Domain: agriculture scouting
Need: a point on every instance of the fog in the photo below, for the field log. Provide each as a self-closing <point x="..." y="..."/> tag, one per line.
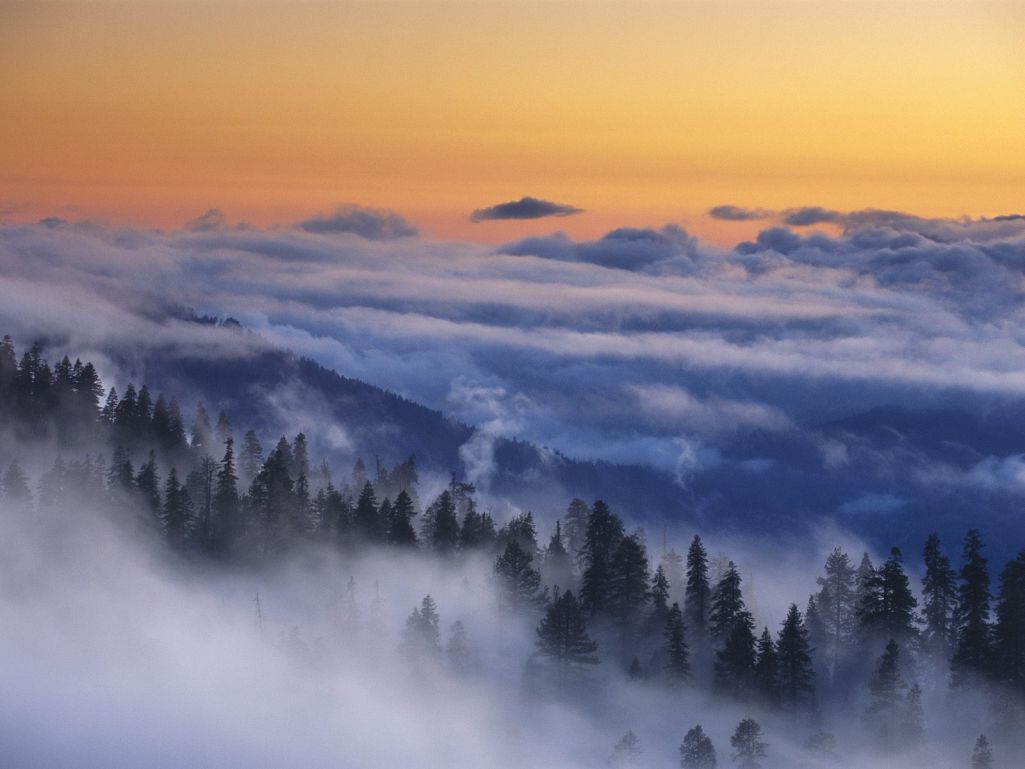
<point x="118" y="653"/>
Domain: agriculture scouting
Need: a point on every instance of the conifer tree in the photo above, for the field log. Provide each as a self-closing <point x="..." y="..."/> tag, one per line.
<point x="604" y="533"/>
<point x="562" y="640"/>
<point x="575" y="528"/>
<point x="201" y="432"/>
<point x="939" y="600"/>
<point x="556" y="564"/>
<point x="445" y="530"/>
<point x="1009" y="631"/>
<point x="677" y="653"/>
<point x="887" y="609"/>
<point x="459" y="651"/>
<point x="735" y="661"/>
<point x="177" y="510"/>
<point x="698" y="592"/>
<point x="250" y="457"/>
<point x="912" y="722"/>
<point x="400" y="527"/>
<point x="747" y="744"/>
<point x="982" y="755"/>
<point x="628" y="584"/>
<point x="697" y="751"/>
<point x="627" y="752"/>
<point x="972" y="655"/>
<point x="225" y="523"/>
<point x="148" y="484"/>
<point x="796" y="673"/>
<point x="659" y="595"/>
<point x="366" y="513"/>
<point x="887" y="690"/>
<point x="766" y="674"/>
<point x="836" y="605"/>
<point x="519" y="580"/>
<point x="727" y="605"/>
<point x="14" y="484"/>
<point x="421" y="637"/>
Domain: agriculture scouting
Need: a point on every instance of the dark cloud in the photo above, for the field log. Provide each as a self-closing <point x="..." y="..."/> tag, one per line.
<point x="730" y="213"/>
<point x="524" y="208"/>
<point x="804" y="217"/>
<point x="369" y="223"/>
<point x="210" y="221"/>
<point x="626" y="248"/>
<point x="52" y="222"/>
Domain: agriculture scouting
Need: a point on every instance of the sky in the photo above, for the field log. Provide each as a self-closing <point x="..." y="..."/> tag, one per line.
<point x="148" y="114"/>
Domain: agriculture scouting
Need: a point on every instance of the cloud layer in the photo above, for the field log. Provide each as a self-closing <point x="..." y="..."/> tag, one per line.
<point x="524" y="208"/>
<point x="644" y="345"/>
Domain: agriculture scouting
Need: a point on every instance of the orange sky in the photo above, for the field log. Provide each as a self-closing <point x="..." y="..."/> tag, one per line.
<point x="639" y="112"/>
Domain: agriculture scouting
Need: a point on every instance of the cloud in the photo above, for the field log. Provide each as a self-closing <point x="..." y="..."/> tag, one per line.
<point x="804" y="217"/>
<point x="210" y="221"/>
<point x="626" y="248"/>
<point x="524" y="208"/>
<point x="369" y="223"/>
<point x="731" y="213"/>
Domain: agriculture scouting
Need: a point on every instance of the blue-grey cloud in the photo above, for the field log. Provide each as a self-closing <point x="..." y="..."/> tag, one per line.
<point x="731" y="213"/>
<point x="643" y="344"/>
<point x="524" y="208"/>
<point x="809" y="215"/>
<point x="369" y="223"/>
<point x="626" y="248"/>
<point x="209" y="221"/>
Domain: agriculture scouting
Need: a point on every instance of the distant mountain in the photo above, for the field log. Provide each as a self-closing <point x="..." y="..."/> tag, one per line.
<point x="276" y="392"/>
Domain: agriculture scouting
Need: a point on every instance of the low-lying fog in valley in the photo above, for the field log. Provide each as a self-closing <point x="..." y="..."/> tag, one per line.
<point x="119" y="653"/>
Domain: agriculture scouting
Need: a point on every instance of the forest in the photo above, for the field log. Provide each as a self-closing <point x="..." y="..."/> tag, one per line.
<point x="870" y="664"/>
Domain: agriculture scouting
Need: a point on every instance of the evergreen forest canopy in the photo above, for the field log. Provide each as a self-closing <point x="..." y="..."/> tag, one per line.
<point x="872" y="661"/>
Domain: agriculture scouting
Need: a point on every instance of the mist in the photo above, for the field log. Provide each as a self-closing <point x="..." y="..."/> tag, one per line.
<point x="118" y="652"/>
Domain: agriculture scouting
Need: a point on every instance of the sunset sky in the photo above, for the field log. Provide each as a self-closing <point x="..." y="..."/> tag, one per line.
<point x="640" y="113"/>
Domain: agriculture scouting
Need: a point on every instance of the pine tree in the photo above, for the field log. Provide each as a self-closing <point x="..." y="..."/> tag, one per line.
<point x="575" y="528"/>
<point x="366" y="514"/>
<point x="972" y="656"/>
<point x="518" y="579"/>
<point x="177" y="512"/>
<point x="459" y="651"/>
<point x="202" y="439"/>
<point x="557" y="565"/>
<point x="224" y="525"/>
<point x="735" y="661"/>
<point x="912" y="722"/>
<point x="421" y="637"/>
<point x="400" y="527"/>
<point x="604" y="533"/>
<point x="698" y="591"/>
<point x="766" y="675"/>
<point x="677" y="653"/>
<point x="939" y="599"/>
<point x="747" y="742"/>
<point x="727" y="605"/>
<point x="628" y="584"/>
<point x="796" y="673"/>
<point x="697" y="751"/>
<point x="627" y="752"/>
<point x="836" y="605"/>
<point x="887" y="689"/>
<point x="1009" y="631"/>
<point x="445" y="531"/>
<point x="14" y="485"/>
<point x="982" y="755"/>
<point x="887" y="609"/>
<point x="562" y="640"/>
<point x="148" y="484"/>
<point x="659" y="596"/>
<point x="250" y="458"/>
